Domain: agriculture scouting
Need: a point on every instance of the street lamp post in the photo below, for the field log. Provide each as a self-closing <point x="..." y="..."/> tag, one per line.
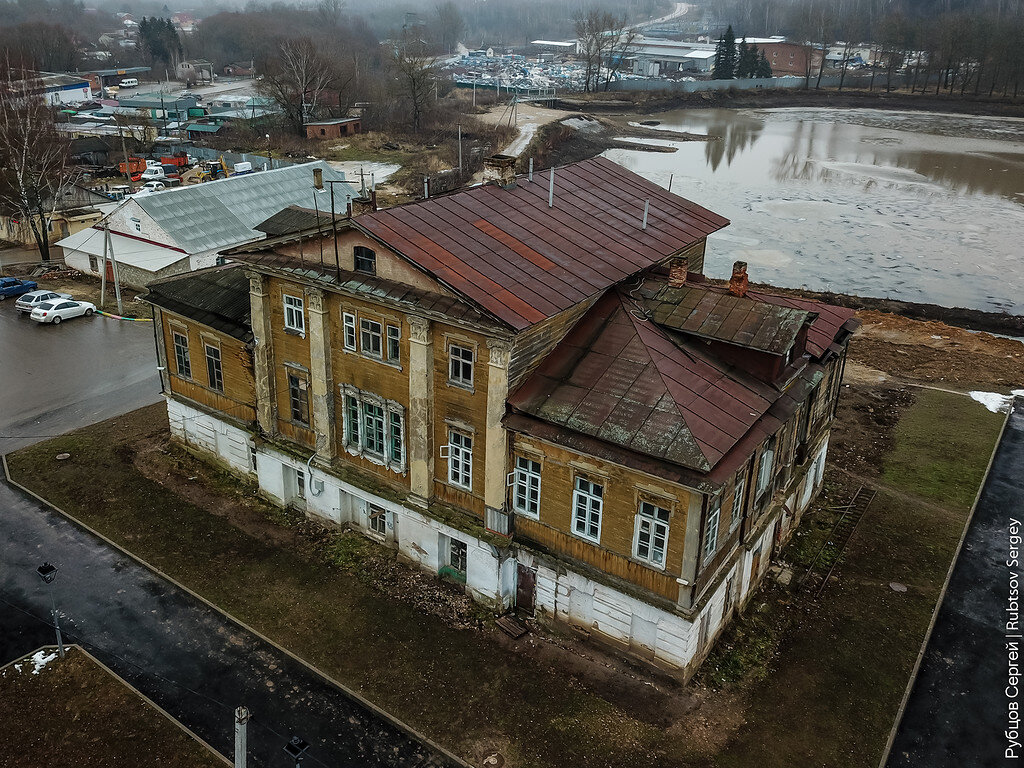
<point x="48" y="573"/>
<point x="296" y="749"/>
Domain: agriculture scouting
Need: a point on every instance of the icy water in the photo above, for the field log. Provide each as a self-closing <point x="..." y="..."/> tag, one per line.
<point x="913" y="206"/>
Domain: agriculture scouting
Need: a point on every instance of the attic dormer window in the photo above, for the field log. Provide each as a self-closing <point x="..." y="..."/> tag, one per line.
<point x="365" y="260"/>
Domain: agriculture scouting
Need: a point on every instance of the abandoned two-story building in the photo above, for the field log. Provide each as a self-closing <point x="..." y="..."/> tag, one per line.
<point x="528" y="387"/>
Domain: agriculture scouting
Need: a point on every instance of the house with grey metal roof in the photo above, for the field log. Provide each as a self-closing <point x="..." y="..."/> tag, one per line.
<point x="184" y="229"/>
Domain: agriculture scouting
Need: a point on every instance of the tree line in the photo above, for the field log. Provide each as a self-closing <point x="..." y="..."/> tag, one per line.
<point x="738" y="61"/>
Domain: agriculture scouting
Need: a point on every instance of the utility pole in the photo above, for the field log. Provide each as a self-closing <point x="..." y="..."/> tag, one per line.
<point x="113" y="261"/>
<point x="460" y="148"/>
<point x="241" y="725"/>
<point x="48" y="573"/>
<point x="103" y="268"/>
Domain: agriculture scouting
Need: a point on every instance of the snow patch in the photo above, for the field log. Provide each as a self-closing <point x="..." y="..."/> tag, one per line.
<point x="583" y="124"/>
<point x="40" y="659"/>
<point x="996" y="402"/>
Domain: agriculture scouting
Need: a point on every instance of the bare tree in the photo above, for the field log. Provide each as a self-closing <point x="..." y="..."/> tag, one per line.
<point x="33" y="156"/>
<point x="416" y="77"/>
<point x="297" y="79"/>
<point x="620" y="39"/>
<point x="450" y="26"/>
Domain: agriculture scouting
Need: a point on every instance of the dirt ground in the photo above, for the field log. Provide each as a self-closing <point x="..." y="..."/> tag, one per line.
<point x="72" y="712"/>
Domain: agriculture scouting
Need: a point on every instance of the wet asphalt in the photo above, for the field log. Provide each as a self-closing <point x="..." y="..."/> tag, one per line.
<point x="959" y="707"/>
<point x="190" y="659"/>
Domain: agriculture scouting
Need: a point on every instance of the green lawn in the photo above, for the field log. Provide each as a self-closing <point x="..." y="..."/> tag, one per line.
<point x="798" y="682"/>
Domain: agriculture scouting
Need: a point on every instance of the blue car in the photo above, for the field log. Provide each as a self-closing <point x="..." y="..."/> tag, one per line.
<point x="12" y="286"/>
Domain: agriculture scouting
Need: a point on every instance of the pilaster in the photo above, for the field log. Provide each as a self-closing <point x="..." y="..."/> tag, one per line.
<point x="161" y="351"/>
<point x="495" y="440"/>
<point x="691" y="550"/>
<point x="420" y="421"/>
<point x="320" y="373"/>
<point x="263" y="352"/>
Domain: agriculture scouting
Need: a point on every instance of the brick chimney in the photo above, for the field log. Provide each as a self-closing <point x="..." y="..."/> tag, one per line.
<point x="739" y="283"/>
<point x="361" y="205"/>
<point x="677" y="272"/>
<point x="500" y="169"/>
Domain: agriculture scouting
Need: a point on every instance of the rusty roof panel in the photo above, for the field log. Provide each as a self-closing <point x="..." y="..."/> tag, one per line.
<point x="522" y="261"/>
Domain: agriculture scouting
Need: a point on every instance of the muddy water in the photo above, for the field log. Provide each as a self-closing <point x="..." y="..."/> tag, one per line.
<point x="913" y="206"/>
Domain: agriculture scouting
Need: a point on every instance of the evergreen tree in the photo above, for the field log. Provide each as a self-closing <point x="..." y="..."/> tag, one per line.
<point x="764" y="69"/>
<point x="725" y="56"/>
<point x="742" y="60"/>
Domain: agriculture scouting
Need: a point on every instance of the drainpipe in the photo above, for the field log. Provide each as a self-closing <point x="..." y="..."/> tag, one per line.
<point x="309" y="477"/>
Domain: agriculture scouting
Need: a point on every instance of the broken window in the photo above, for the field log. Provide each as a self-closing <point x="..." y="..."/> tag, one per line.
<point x="298" y="398"/>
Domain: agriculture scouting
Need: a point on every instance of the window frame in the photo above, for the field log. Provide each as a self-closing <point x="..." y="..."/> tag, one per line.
<point x="711" y="528"/>
<point x="461" y="381"/>
<point x="298" y="394"/>
<point x="590" y="500"/>
<point x="522" y="486"/>
<point x="218" y="384"/>
<point x="764" y="469"/>
<point x="181" y="354"/>
<point x="374" y="513"/>
<point x="366" y="332"/>
<point x="293" y="310"/>
<point x="460" y="458"/>
<point x="458" y="562"/>
<point x="359" y="253"/>
<point x="356" y="428"/>
<point x="653" y="519"/>
<point x="393" y="343"/>
<point x="738" y="502"/>
<point x="350" y="333"/>
<point x="375" y="429"/>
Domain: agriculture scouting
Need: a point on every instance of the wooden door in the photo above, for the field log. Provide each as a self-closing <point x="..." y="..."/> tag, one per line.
<point x="755" y="568"/>
<point x="526" y="589"/>
<point x="110" y="271"/>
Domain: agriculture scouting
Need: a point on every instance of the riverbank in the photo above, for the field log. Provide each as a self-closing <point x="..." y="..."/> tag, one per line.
<point x="651" y="102"/>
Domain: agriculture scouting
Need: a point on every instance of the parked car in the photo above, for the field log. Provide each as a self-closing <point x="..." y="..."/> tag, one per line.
<point x="129" y="82"/>
<point x="12" y="286"/>
<point x="32" y="299"/>
<point x="154" y="186"/>
<point x="57" y="311"/>
<point x="152" y="174"/>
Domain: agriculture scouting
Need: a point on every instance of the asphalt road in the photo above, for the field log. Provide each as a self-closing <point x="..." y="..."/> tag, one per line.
<point x="57" y="378"/>
<point x="959" y="709"/>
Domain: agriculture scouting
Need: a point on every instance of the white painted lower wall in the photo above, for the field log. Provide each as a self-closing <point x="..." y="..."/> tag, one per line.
<point x="491" y="576"/>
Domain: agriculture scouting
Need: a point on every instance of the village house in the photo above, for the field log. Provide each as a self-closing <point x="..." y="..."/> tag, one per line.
<point x="334" y="128"/>
<point x="75" y="209"/>
<point x="178" y="230"/>
<point x="528" y="387"/>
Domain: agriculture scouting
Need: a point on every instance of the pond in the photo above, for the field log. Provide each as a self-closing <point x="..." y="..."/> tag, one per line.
<point x="915" y="206"/>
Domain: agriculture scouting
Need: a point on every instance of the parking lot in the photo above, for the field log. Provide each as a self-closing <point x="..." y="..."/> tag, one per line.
<point x="57" y="378"/>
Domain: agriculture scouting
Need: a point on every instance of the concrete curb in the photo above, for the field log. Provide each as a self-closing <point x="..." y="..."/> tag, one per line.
<point x="416" y="735"/>
<point x="135" y="691"/>
<point x="942" y="595"/>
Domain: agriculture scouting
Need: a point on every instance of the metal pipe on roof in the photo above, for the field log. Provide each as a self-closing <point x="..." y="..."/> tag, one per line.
<point x="670" y="181"/>
<point x="647" y="207"/>
<point x="426" y="188"/>
<point x="551" y="190"/>
<point x="531" y="169"/>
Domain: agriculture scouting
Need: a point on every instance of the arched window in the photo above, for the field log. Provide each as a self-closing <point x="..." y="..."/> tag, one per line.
<point x="366" y="260"/>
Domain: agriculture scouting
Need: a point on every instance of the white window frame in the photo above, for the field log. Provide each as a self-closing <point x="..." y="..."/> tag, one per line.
<point x="181" y="354"/>
<point x="350" y="335"/>
<point x="654" y="521"/>
<point x="374" y="514"/>
<point x="526" y="487"/>
<point x="587" y="507"/>
<point x="711" y="528"/>
<point x="739" y="492"/>
<point x="393" y="338"/>
<point x="366" y="332"/>
<point x="355" y="428"/>
<point x="301" y="385"/>
<point x="460" y="458"/>
<point x="764" y="468"/>
<point x="294" y="313"/>
<point x="461" y="380"/>
<point x="374" y="428"/>
<point x="214" y="363"/>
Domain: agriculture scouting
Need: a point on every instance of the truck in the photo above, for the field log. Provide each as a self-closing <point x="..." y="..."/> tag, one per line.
<point x="12" y="286"/>
<point x="178" y="159"/>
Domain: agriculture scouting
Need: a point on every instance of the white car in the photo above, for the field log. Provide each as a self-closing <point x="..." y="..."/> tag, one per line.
<point x="57" y="311"/>
<point x="29" y="301"/>
<point x="153" y="174"/>
<point x="154" y="186"/>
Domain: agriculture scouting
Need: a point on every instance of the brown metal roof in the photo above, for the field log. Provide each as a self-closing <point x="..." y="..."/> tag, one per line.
<point x="217" y="297"/>
<point x="718" y="315"/>
<point x="522" y="261"/>
<point x="826" y="326"/>
<point x="291" y="220"/>
<point x="624" y="380"/>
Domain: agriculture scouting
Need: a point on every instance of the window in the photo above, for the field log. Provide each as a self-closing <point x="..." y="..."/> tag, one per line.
<point x="457" y="555"/>
<point x="298" y="396"/>
<point x="395" y="437"/>
<point x="293" y="317"/>
<point x="300" y="484"/>
<point x="378" y="519"/>
<point x="365" y="260"/>
<point x="764" y="468"/>
<point x="214" y="371"/>
<point x="526" y="487"/>
<point x="460" y="365"/>
<point x="137" y="224"/>
<point x="394" y="344"/>
<point x="587" y="500"/>
<point x="349" y="321"/>
<point x="252" y="458"/>
<point x="94" y="264"/>
<point x="460" y="458"/>
<point x="370" y="337"/>
<point x="737" y="503"/>
<point x="652" y="533"/>
<point x="181" y="355"/>
<point x="374" y="428"/>
<point x="711" y="529"/>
